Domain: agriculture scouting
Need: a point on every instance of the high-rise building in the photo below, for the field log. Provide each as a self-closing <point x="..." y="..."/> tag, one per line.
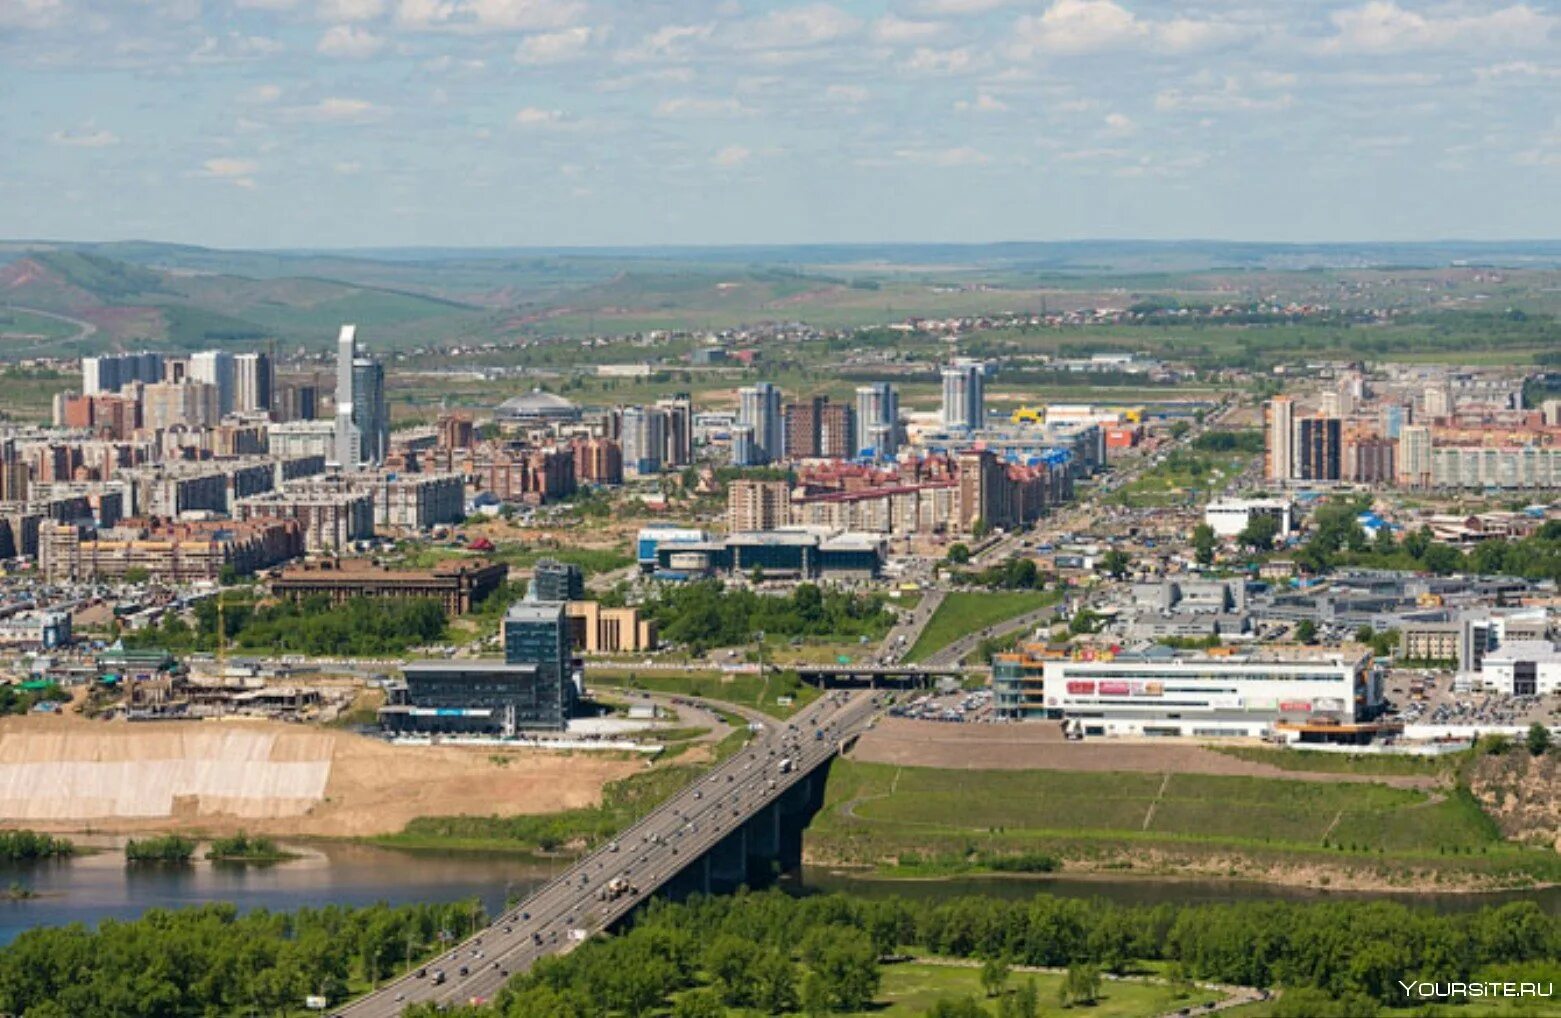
<point x="877" y="419"/>
<point x="598" y="461"/>
<point x="167" y="405"/>
<point x="298" y="401"/>
<point x="745" y="450"/>
<point x="254" y="383"/>
<point x="1438" y="401"/>
<point x="216" y="368"/>
<point x="1368" y="459"/>
<point x="757" y="505"/>
<point x="1394" y="417"/>
<point x="679" y="413"/>
<point x="552" y="580"/>
<point x="536" y="633"/>
<point x="362" y="415"/>
<point x="1281" y="438"/>
<point x="1320" y="449"/>
<point x="819" y="428"/>
<point x="964" y="394"/>
<point x="1414" y="460"/>
<point x="111" y="372"/>
<point x="644" y="438"/>
<point x="759" y="407"/>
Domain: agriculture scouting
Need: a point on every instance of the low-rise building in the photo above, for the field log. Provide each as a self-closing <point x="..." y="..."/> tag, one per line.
<point x="1523" y="668"/>
<point x="456" y="584"/>
<point x="597" y="630"/>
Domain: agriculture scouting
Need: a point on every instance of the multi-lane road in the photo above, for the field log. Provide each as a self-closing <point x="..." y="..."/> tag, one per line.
<point x="603" y="886"/>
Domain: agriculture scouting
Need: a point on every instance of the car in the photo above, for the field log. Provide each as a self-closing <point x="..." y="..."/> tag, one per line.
<point x="420" y="973"/>
<point x="463" y="971"/>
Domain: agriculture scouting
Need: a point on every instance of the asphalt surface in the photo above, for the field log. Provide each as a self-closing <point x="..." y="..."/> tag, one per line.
<point x="579" y="903"/>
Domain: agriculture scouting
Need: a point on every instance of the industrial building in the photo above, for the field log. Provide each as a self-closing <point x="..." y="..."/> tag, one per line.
<point x="457" y="584"/>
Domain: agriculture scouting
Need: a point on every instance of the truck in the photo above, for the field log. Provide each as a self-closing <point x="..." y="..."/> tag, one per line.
<point x="785" y="765"/>
<point x="617" y="887"/>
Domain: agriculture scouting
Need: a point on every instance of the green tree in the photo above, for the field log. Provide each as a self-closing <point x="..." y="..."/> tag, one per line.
<point x="1306" y="631"/>
<point x="994" y="975"/>
<point x="774" y="978"/>
<point x="1259" y="533"/>
<point x="700" y="1003"/>
<point x="957" y="1007"/>
<point x="959" y="553"/>
<point x="1204" y="544"/>
<point x="1081" y="986"/>
<point x="730" y="962"/>
<point x="844" y="958"/>
<point x="1116" y="563"/>
<point x="1538" y="739"/>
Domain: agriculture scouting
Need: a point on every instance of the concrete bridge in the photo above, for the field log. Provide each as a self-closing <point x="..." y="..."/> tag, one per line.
<point x="738" y="824"/>
<point x="865" y="676"/>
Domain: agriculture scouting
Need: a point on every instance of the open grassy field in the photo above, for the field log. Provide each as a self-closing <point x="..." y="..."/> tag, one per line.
<point x="746" y="689"/>
<point x="911" y="988"/>
<point x="965" y="612"/>
<point x="1343" y="763"/>
<point x="879" y="812"/>
<point x="1183" y="477"/>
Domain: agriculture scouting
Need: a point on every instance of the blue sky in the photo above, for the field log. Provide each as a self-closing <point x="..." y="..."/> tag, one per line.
<point x="344" y="123"/>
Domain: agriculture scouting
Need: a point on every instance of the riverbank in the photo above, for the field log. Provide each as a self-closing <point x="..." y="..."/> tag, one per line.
<point x="68" y="774"/>
<point x="1360" y="835"/>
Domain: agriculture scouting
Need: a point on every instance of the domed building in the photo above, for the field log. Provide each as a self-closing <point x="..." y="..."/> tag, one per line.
<point x="537" y="408"/>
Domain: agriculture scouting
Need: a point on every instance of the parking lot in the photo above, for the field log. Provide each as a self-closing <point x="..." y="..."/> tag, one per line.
<point x="953" y="708"/>
<point x="1440" y="704"/>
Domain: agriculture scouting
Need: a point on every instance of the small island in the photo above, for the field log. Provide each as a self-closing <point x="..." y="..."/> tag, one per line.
<point x="166" y="848"/>
<point x="242" y="848"/>
<point x="26" y="846"/>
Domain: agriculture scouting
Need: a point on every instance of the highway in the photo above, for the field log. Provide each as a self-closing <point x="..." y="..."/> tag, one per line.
<point x="590" y="896"/>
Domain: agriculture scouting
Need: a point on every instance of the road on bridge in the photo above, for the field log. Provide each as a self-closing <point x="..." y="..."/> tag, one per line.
<point x="589" y="897"/>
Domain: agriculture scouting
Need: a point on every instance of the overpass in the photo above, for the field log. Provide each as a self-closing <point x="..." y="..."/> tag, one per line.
<point x="868" y="676"/>
<point x="727" y="829"/>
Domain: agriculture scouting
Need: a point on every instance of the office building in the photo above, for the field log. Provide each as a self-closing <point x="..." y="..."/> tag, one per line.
<point x="757" y="505"/>
<point x="457" y="584"/>
<point x="877" y="420"/>
<point x="745" y="449"/>
<point x="1280" y="426"/>
<point x="362" y="415"/>
<point x="215" y="368"/>
<point x="552" y="580"/>
<point x="254" y="383"/>
<point x="964" y="395"/>
<point x="644" y="431"/>
<point x="1523" y="668"/>
<point x="597" y="630"/>
<point x="1319" y="449"/>
<point x="678" y="412"/>
<point x="759" y="408"/>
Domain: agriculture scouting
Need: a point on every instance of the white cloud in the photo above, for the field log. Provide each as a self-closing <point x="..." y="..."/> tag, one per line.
<point x="337" y="109"/>
<point x="424" y="13"/>
<point x="350" y="10"/>
<point x="1120" y="123"/>
<point x="983" y="103"/>
<point x="798" y="27"/>
<point x="86" y="136"/>
<point x="926" y="60"/>
<point x="1514" y="69"/>
<point x="1080" y="26"/>
<point x="233" y="48"/>
<point x="349" y="41"/>
<point x="263" y="94"/>
<point x="1382" y="26"/>
<point x="1184" y="35"/>
<point x="553" y="47"/>
<point x="238" y="172"/>
<point x="890" y="30"/>
<point x="959" y="6"/>
<point x="963" y="155"/>
<point x="669" y="42"/>
<point x="30" y="13"/>
<point x="524" y="14"/>
<point x="1230" y="95"/>
<point x="267" y="5"/>
<point x="850" y="94"/>
<point x="690" y="106"/>
<point x="536" y="116"/>
<point x="732" y="156"/>
<point x="347" y="169"/>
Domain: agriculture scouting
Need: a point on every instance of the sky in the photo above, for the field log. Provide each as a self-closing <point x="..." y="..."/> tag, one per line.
<point x="366" y="123"/>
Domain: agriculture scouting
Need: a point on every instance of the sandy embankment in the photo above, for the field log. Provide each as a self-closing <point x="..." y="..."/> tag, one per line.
<point x="66" y="774"/>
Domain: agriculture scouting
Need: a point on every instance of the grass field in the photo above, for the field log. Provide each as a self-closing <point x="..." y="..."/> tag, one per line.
<point x="743" y="688"/>
<point x="966" y="612"/>
<point x="911" y="988"/>
<point x="1343" y="763"/>
<point x="878" y="812"/>
<point x="1183" y="477"/>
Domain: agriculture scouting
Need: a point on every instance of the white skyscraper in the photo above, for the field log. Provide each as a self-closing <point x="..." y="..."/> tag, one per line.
<point x="759" y="407"/>
<point x="215" y="368"/>
<point x="964" y="394"/>
<point x="362" y="416"/>
<point x="877" y="418"/>
<point x="253" y="382"/>
<point x="644" y="438"/>
<point x="1281" y="439"/>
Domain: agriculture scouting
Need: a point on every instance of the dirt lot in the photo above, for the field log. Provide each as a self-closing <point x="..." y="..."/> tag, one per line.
<point x="68" y="774"/>
<point x="1040" y="746"/>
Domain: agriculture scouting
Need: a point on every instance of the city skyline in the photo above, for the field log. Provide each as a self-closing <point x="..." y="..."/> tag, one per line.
<point x="352" y="123"/>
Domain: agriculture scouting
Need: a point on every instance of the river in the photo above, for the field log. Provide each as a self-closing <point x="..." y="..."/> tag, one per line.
<point x="92" y="887"/>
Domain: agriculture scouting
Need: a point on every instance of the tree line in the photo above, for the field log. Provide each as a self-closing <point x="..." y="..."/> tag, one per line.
<point x="771" y="953"/>
<point x="708" y="613"/>
<point x="309" y="625"/>
<point x="210" y="960"/>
